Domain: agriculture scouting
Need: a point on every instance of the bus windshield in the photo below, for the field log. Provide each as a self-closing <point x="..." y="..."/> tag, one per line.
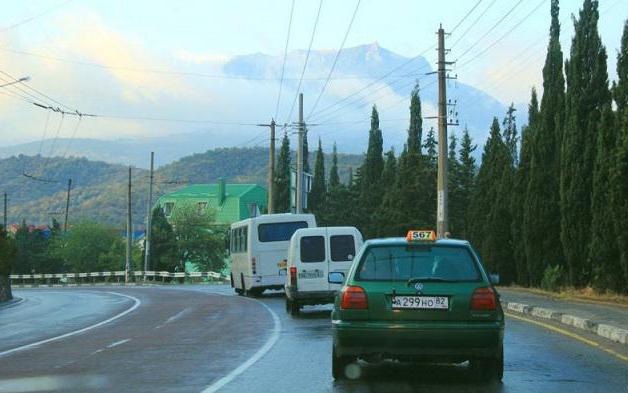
<point x="278" y="232"/>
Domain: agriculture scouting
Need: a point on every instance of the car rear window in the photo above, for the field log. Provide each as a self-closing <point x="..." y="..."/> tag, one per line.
<point x="312" y="249"/>
<point x="278" y="232"/>
<point x="393" y="263"/>
<point x="342" y="247"/>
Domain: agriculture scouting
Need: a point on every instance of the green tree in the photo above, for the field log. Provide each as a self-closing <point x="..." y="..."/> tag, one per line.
<point x="390" y="170"/>
<point x="8" y="252"/>
<point x="334" y="178"/>
<point x="454" y="182"/>
<point x="541" y="226"/>
<point x="586" y="96"/>
<point x="467" y="177"/>
<point x="163" y="247"/>
<point x="306" y="153"/>
<point x="282" y="177"/>
<point x="318" y="194"/>
<point x="619" y="171"/>
<point x="371" y="192"/>
<point x="199" y="240"/>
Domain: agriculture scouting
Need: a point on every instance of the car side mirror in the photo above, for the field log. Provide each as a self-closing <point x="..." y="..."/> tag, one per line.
<point x="336" y="278"/>
<point x="494" y="278"/>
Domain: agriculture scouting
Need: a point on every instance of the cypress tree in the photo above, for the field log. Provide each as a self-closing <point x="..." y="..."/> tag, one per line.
<point x="318" y="193"/>
<point x="541" y="227"/>
<point x="511" y="139"/>
<point x="467" y="178"/>
<point x="334" y="178"/>
<point x="415" y="131"/>
<point x="454" y="182"/>
<point x="390" y="170"/>
<point x="163" y="255"/>
<point x="431" y="146"/>
<point x="586" y="96"/>
<point x="282" y="177"/>
<point x="371" y="194"/>
<point x="306" y="153"/>
<point x="619" y="170"/>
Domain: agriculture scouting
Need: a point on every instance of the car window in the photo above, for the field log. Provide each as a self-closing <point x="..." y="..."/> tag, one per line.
<point x="341" y="247"/>
<point x="448" y="263"/>
<point x="312" y="249"/>
<point x="280" y="231"/>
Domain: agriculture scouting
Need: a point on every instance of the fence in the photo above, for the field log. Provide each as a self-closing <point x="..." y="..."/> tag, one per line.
<point x="116" y="277"/>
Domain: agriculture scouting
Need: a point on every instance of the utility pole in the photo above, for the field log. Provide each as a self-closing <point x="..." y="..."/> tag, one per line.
<point x="301" y="125"/>
<point x="442" y="214"/>
<point x="67" y="206"/>
<point x="149" y="215"/>
<point x="129" y="233"/>
<point x="271" y="164"/>
<point x="5" y="212"/>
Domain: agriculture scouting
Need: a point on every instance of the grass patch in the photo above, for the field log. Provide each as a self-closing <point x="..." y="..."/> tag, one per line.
<point x="587" y="294"/>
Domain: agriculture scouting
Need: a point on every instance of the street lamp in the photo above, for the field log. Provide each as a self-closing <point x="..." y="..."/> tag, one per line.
<point x="22" y="79"/>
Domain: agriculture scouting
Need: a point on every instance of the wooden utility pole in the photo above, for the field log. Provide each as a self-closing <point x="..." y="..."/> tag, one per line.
<point x="129" y="233"/>
<point x="301" y="127"/>
<point x="271" y="164"/>
<point x="149" y="214"/>
<point x="441" y="208"/>
<point x="67" y="206"/>
<point x="4" y="217"/>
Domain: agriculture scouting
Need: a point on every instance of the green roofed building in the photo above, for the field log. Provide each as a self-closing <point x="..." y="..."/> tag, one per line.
<point x="231" y="202"/>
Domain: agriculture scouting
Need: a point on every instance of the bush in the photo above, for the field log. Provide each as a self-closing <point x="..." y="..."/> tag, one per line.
<point x="553" y="278"/>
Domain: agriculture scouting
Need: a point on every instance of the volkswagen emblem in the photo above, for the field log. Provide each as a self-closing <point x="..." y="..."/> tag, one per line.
<point x="418" y="286"/>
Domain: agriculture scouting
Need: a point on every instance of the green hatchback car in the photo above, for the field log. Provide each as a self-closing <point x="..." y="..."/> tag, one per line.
<point x="418" y="299"/>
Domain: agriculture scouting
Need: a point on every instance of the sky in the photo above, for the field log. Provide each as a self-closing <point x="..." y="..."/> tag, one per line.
<point x="200" y="36"/>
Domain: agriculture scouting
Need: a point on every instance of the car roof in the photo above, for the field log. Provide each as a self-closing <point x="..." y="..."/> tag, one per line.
<point x="402" y="241"/>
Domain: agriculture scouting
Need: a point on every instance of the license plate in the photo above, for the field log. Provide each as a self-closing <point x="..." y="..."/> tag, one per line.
<point x="420" y="302"/>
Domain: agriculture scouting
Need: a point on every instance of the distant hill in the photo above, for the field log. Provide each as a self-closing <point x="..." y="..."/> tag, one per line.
<point x="99" y="189"/>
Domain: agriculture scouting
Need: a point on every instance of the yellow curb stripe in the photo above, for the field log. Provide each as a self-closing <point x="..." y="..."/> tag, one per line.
<point x="570" y="334"/>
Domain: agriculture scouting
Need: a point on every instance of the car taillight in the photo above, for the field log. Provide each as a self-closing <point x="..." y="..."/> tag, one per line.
<point x="293" y="276"/>
<point x="253" y="266"/>
<point x="483" y="299"/>
<point x="353" y="298"/>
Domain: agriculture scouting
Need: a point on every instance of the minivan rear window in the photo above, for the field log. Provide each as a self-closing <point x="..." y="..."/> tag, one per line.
<point x="342" y="247"/>
<point x="312" y="249"/>
<point x="438" y="263"/>
<point x="279" y="231"/>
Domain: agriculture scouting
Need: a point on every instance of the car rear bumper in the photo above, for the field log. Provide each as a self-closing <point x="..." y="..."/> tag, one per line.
<point x="310" y="297"/>
<point x="418" y="340"/>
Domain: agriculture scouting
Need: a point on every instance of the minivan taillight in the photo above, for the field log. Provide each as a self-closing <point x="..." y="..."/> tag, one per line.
<point x="253" y="265"/>
<point x="293" y="276"/>
<point x="483" y="299"/>
<point x="354" y="298"/>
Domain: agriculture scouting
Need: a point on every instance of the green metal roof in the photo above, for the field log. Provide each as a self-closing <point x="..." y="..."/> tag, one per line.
<point x="235" y="206"/>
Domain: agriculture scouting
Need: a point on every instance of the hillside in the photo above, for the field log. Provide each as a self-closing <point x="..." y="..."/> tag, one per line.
<point x="99" y="189"/>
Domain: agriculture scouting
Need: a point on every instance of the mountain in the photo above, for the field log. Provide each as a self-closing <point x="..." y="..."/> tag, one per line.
<point x="99" y="190"/>
<point x="253" y="100"/>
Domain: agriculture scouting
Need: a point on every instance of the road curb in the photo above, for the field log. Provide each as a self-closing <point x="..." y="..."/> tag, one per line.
<point x="609" y="332"/>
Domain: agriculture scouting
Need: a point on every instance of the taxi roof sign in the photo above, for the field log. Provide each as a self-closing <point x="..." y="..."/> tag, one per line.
<point x="421" y="236"/>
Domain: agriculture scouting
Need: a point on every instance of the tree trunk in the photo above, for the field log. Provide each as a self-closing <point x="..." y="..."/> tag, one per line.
<point x="5" y="289"/>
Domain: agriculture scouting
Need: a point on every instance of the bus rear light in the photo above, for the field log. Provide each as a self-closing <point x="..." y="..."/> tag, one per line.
<point x="293" y="276"/>
<point x="483" y="299"/>
<point x="253" y="266"/>
<point x="354" y="298"/>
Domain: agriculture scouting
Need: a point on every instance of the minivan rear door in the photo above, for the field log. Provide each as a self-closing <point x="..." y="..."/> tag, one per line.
<point x="312" y="262"/>
<point x="343" y="246"/>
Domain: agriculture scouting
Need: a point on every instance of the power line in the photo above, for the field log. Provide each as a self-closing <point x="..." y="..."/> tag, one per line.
<point x="333" y="66"/>
<point x="465" y="17"/>
<point x="285" y="56"/>
<point x="30" y="19"/>
<point x="464" y="35"/>
<point x="307" y="57"/>
<point x="490" y="30"/>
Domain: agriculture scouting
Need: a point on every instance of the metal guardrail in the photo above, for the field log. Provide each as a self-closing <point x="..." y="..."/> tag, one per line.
<point x="109" y="277"/>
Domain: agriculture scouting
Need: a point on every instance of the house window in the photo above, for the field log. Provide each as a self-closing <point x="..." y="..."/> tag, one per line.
<point x="201" y="207"/>
<point x="168" y="207"/>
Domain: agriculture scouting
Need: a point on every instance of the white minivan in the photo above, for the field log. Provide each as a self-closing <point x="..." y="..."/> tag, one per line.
<point x="259" y="250"/>
<point x="313" y="253"/>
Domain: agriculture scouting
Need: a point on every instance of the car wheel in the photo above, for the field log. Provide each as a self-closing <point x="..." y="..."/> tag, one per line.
<point x="339" y="364"/>
<point x="294" y="308"/>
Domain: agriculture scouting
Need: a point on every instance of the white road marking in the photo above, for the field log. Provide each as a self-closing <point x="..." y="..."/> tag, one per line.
<point x="79" y="331"/>
<point x="126" y="340"/>
<point x="214" y="387"/>
<point x="175" y="317"/>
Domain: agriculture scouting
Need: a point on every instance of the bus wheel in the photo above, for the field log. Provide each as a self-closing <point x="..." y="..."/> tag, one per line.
<point x="294" y="308"/>
<point x="288" y="305"/>
<point x="243" y="287"/>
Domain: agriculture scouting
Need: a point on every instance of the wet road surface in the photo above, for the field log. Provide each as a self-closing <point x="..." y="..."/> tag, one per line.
<point x="190" y="338"/>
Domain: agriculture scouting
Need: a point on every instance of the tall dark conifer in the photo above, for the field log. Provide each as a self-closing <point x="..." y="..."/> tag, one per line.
<point x="371" y="194"/>
<point x="586" y="97"/>
<point x="467" y="178"/>
<point x="318" y="193"/>
<point x="282" y="177"/>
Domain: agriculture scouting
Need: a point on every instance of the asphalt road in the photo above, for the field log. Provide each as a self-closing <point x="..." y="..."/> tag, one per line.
<point x="202" y="337"/>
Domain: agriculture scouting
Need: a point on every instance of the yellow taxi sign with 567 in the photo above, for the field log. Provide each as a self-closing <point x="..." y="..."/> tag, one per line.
<point x="421" y="236"/>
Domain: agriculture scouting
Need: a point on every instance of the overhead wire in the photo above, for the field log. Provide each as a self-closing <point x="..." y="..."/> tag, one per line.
<point x="333" y="66"/>
<point x="307" y="57"/>
<point x="32" y="18"/>
<point x="285" y="56"/>
<point x="465" y="17"/>
<point x="472" y="25"/>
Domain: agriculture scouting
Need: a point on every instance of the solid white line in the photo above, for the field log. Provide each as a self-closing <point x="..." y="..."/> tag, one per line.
<point x="214" y="387"/>
<point x="126" y="340"/>
<point x="83" y="330"/>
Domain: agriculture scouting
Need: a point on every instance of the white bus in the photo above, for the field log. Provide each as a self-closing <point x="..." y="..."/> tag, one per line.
<point x="259" y="250"/>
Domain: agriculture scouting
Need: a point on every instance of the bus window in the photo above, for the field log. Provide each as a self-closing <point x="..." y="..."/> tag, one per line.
<point x="245" y="242"/>
<point x="278" y="232"/>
